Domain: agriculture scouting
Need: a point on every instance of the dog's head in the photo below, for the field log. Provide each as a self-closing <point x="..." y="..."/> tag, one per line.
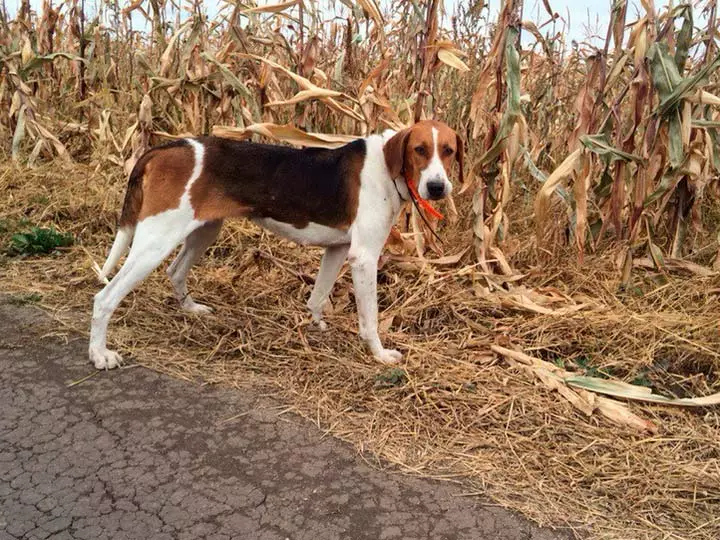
<point x="424" y="153"/>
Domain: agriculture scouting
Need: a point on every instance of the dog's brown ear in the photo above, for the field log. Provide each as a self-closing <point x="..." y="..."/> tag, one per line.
<point x="459" y="155"/>
<point x="394" y="151"/>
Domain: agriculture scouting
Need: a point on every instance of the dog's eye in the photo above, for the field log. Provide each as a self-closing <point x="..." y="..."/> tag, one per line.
<point x="420" y="150"/>
<point x="447" y="151"/>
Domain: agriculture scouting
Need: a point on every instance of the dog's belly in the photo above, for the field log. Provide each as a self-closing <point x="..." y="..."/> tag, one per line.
<point x="311" y="235"/>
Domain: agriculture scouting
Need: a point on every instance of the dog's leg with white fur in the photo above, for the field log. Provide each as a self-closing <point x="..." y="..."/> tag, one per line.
<point x="155" y="238"/>
<point x="364" y="272"/>
<point x="367" y="243"/>
<point x="192" y="251"/>
<point x="330" y="265"/>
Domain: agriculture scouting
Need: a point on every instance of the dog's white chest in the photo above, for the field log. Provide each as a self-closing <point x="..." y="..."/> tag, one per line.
<point x="311" y="235"/>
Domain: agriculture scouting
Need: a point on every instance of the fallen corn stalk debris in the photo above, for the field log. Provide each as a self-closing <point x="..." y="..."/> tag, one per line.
<point x="555" y="378"/>
<point x="637" y="393"/>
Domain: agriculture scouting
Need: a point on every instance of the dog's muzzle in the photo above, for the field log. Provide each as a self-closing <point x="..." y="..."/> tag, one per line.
<point x="436" y="189"/>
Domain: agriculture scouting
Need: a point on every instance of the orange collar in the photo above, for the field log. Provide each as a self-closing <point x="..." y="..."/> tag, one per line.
<point x="419" y="200"/>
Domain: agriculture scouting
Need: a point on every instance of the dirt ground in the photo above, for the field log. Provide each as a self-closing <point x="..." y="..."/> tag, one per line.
<point x="133" y="454"/>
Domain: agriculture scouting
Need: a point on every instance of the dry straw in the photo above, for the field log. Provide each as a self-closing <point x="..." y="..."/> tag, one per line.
<point x="582" y="253"/>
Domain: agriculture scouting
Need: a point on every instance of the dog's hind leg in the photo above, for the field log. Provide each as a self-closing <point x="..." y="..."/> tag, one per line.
<point x="330" y="265"/>
<point x="154" y="240"/>
<point x="195" y="246"/>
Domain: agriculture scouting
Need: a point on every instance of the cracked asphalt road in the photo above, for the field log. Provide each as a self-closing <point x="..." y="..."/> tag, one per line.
<point x="131" y="454"/>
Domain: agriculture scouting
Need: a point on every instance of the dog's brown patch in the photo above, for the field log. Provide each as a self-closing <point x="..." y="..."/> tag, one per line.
<point x="165" y="175"/>
<point x="355" y="164"/>
<point x="210" y="203"/>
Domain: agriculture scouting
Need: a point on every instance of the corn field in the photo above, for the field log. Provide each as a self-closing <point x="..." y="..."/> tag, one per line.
<point x="584" y="240"/>
<point x="616" y="145"/>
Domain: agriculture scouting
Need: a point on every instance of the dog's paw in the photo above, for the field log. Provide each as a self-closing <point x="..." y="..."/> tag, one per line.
<point x="104" y="358"/>
<point x="320" y="325"/>
<point x="389" y="356"/>
<point x="198" y="309"/>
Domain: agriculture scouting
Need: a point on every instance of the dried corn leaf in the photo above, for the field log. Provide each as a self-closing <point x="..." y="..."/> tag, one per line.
<point x="371" y="8"/>
<point x="441" y="261"/>
<point x="166" y="57"/>
<point x="448" y="57"/>
<point x="304" y="95"/>
<point x="50" y="138"/>
<point x="555" y="379"/>
<point x="272" y="8"/>
<point x="285" y="133"/>
<point x="305" y="84"/>
<point x="542" y="200"/>
<point x="19" y="134"/>
<point x="701" y="97"/>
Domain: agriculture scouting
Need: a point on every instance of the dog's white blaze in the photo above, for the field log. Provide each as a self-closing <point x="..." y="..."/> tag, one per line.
<point x="197" y="170"/>
<point x="311" y="235"/>
<point x="434" y="170"/>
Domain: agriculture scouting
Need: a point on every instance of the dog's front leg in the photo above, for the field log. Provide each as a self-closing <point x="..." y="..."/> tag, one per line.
<point x="330" y="265"/>
<point x="364" y="272"/>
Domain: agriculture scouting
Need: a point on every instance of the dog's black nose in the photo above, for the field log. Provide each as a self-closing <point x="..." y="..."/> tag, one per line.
<point x="435" y="189"/>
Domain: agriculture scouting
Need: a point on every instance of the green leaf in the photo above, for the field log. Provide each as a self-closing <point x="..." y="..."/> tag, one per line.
<point x="229" y="76"/>
<point x="38" y="61"/>
<point x="39" y="241"/>
<point x="512" y="108"/>
<point x="599" y="144"/>
<point x="677" y="155"/>
<point x="684" y="37"/>
<point x="657" y="255"/>
<point x="668" y="81"/>
<point x="339" y="64"/>
<point x="700" y="123"/>
<point x="667" y="182"/>
<point x="541" y="177"/>
<point x="391" y="377"/>
<point x="602" y="189"/>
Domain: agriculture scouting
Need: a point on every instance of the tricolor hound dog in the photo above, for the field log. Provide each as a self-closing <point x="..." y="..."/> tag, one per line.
<point x="345" y="199"/>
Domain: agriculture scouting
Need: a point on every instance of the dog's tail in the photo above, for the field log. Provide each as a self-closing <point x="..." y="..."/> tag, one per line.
<point x="128" y="218"/>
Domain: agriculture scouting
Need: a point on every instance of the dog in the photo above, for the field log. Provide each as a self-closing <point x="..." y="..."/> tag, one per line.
<point x="345" y="200"/>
